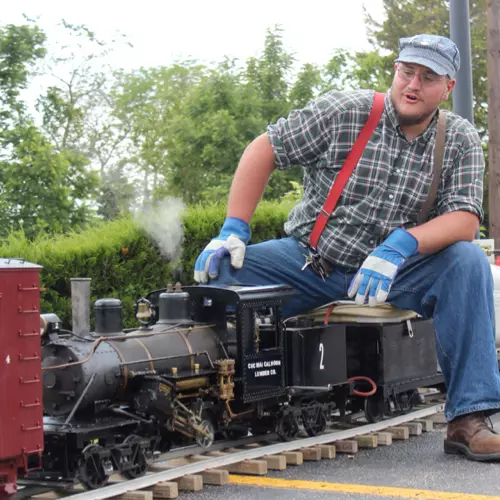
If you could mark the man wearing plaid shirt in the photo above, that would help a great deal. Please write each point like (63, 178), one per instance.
(372, 248)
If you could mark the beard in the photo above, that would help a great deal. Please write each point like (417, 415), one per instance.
(408, 120)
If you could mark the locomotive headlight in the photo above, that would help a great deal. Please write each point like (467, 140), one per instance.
(49, 323)
(43, 326)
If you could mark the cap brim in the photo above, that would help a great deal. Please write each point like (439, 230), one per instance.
(428, 63)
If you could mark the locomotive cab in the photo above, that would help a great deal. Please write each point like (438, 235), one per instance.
(254, 312)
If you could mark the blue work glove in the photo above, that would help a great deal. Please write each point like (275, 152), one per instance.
(232, 240)
(374, 279)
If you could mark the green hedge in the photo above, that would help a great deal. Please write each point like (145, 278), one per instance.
(123, 260)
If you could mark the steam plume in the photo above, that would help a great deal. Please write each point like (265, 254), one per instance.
(163, 223)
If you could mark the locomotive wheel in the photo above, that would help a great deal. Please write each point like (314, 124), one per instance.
(314, 419)
(406, 401)
(138, 463)
(92, 473)
(374, 408)
(206, 439)
(287, 426)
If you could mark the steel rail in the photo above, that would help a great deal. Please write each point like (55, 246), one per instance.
(250, 454)
(186, 451)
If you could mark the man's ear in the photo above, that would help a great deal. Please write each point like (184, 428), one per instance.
(449, 87)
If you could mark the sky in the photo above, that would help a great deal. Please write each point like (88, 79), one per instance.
(164, 31)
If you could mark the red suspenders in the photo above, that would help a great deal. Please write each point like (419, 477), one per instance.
(349, 164)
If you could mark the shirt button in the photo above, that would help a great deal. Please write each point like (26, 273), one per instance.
(391, 197)
(372, 242)
(398, 170)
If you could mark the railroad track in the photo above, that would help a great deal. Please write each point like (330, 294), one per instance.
(190, 468)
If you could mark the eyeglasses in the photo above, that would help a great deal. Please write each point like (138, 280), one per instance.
(426, 79)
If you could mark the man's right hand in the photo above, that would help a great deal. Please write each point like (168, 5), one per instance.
(232, 240)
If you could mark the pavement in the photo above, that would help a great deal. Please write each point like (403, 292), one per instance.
(416, 468)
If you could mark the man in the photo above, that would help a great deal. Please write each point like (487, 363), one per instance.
(372, 247)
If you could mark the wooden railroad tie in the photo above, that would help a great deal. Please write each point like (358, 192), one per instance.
(48, 495)
(250, 467)
(438, 418)
(366, 441)
(383, 438)
(164, 489)
(312, 454)
(216, 477)
(135, 495)
(427, 424)
(274, 462)
(190, 482)
(346, 446)
(292, 457)
(399, 433)
(328, 451)
(414, 428)
(131, 495)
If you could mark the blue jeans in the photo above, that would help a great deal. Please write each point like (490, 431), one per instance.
(454, 286)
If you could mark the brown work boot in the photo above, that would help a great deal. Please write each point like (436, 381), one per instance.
(473, 436)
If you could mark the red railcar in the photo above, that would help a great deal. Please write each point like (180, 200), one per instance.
(21, 407)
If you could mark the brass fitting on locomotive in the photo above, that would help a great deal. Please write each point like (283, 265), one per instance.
(225, 384)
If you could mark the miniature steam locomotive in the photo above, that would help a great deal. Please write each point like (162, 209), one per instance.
(209, 362)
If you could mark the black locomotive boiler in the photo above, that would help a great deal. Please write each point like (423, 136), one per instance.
(216, 361)
(113, 398)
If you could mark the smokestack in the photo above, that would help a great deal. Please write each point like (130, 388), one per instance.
(80, 305)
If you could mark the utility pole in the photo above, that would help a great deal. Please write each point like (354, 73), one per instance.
(460, 34)
(462, 95)
(493, 43)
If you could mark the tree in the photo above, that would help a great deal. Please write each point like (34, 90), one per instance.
(117, 194)
(76, 109)
(20, 48)
(270, 75)
(145, 103)
(79, 92)
(40, 188)
(215, 122)
(306, 86)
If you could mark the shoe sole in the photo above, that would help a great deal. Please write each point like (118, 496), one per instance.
(454, 448)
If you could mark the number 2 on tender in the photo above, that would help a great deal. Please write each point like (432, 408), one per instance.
(322, 351)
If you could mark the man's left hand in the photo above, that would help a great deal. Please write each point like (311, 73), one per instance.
(374, 279)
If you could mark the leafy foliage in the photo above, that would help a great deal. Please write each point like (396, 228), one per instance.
(50, 185)
(20, 48)
(125, 260)
(40, 188)
(113, 142)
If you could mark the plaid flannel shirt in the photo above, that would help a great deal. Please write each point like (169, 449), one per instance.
(390, 182)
